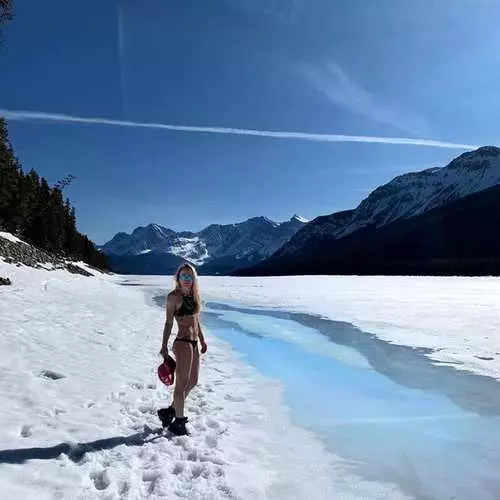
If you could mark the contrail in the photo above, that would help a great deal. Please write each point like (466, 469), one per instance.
(33, 116)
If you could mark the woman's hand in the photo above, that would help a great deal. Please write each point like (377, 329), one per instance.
(164, 351)
(204, 347)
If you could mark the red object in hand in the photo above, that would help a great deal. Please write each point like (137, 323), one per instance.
(166, 371)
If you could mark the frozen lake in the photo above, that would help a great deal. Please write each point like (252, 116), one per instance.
(387, 409)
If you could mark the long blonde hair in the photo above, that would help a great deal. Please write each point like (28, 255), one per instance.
(195, 288)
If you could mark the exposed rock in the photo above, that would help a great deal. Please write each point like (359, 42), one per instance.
(28, 255)
(77, 270)
(5, 281)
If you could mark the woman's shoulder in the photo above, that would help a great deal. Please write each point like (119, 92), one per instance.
(174, 295)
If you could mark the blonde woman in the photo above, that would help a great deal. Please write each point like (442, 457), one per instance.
(183, 304)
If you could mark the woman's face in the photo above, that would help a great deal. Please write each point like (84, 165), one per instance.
(186, 277)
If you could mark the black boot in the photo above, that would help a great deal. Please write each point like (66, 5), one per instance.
(166, 415)
(178, 427)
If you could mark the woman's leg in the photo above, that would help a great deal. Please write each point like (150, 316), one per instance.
(184, 358)
(195, 370)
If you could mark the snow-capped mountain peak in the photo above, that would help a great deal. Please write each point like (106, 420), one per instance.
(417, 192)
(298, 218)
(251, 240)
(408, 195)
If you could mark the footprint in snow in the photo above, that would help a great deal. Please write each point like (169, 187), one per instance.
(51, 375)
(124, 489)
(211, 441)
(225, 491)
(198, 470)
(213, 424)
(137, 385)
(26, 431)
(178, 468)
(146, 409)
(234, 399)
(150, 476)
(101, 479)
(117, 396)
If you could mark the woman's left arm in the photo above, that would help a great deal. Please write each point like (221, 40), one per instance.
(202, 337)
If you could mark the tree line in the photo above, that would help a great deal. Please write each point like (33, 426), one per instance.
(38, 213)
(5, 14)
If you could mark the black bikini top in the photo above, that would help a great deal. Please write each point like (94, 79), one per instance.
(188, 306)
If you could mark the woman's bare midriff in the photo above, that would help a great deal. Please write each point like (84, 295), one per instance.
(187, 327)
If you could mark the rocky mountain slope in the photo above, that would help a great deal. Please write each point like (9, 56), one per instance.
(406, 196)
(423, 203)
(155, 249)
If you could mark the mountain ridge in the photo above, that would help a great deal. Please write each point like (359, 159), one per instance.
(227, 246)
(407, 195)
(455, 239)
(415, 203)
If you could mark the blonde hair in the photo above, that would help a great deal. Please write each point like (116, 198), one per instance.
(195, 286)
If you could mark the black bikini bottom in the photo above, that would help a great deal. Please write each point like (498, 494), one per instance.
(194, 343)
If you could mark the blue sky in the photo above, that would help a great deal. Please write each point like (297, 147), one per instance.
(420, 70)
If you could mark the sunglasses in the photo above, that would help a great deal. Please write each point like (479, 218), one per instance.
(185, 277)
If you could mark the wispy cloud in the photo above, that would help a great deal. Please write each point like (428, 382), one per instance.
(33, 116)
(332, 81)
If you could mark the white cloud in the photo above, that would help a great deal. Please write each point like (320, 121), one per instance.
(332, 81)
(34, 116)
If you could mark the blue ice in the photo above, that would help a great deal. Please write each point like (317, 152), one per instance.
(389, 426)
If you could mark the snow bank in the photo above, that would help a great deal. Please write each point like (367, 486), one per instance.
(11, 237)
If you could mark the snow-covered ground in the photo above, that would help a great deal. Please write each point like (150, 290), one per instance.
(78, 395)
(457, 317)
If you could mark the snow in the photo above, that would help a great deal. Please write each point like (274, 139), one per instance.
(10, 237)
(300, 219)
(457, 317)
(78, 392)
(414, 193)
(192, 249)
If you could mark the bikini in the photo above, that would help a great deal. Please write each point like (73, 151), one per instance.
(188, 308)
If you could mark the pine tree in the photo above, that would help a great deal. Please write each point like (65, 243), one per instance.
(56, 221)
(70, 239)
(10, 173)
(42, 218)
(5, 14)
(30, 187)
(32, 209)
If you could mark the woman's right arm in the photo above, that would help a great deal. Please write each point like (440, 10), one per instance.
(170, 307)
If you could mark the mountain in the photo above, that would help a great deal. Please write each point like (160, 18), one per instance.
(405, 225)
(460, 238)
(406, 196)
(154, 249)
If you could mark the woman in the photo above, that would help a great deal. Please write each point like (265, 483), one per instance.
(183, 304)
